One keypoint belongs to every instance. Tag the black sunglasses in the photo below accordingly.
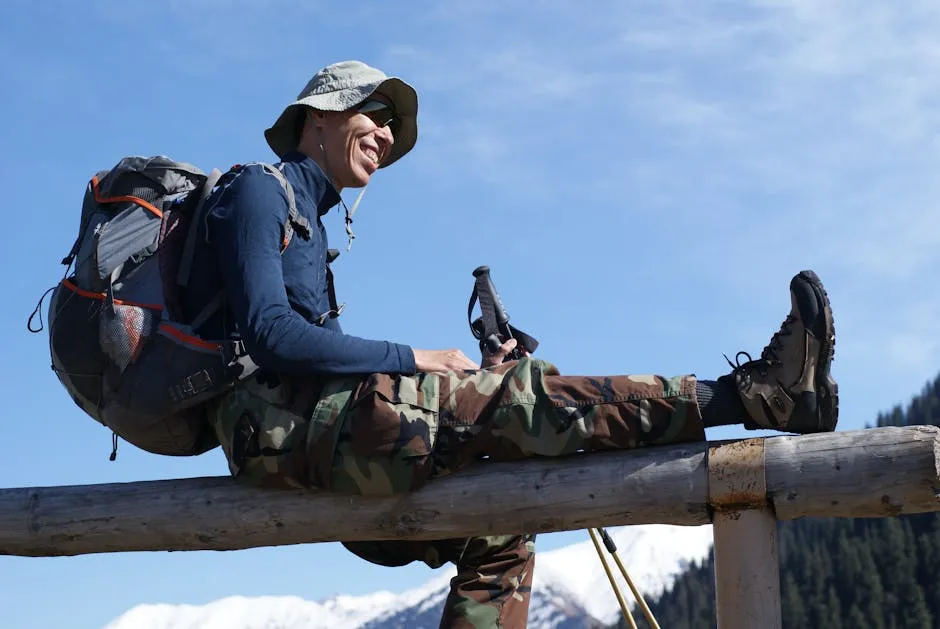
(382, 114)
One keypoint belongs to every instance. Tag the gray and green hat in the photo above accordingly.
(343, 85)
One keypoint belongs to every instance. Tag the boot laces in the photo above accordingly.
(769, 353)
(768, 356)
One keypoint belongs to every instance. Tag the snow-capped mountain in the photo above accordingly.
(570, 591)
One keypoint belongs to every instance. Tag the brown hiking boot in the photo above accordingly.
(789, 387)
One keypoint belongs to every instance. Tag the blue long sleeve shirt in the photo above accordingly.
(274, 299)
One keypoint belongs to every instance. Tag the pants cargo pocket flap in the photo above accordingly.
(395, 415)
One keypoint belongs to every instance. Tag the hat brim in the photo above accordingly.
(283, 135)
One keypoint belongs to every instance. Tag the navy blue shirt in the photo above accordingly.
(273, 299)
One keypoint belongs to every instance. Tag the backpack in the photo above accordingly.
(119, 342)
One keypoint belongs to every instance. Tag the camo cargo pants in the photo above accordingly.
(385, 434)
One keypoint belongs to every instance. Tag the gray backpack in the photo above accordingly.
(119, 341)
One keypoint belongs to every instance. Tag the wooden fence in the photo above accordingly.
(742, 487)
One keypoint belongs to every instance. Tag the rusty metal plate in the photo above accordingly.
(737, 475)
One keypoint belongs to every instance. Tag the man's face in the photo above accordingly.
(356, 142)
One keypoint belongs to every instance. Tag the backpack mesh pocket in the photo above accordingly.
(124, 331)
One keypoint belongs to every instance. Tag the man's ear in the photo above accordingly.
(314, 118)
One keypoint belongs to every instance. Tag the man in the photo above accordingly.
(348, 414)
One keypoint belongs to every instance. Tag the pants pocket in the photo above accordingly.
(263, 444)
(386, 438)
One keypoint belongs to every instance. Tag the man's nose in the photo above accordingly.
(386, 134)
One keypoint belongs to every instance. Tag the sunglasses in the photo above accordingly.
(382, 114)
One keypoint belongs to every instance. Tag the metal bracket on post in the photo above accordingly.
(747, 571)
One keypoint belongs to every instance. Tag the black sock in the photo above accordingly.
(719, 402)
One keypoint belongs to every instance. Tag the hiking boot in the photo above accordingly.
(789, 387)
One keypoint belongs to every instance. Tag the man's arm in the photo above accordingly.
(245, 230)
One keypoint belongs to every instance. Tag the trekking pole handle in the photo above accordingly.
(496, 330)
(485, 283)
(492, 328)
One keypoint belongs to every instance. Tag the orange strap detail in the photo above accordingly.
(186, 338)
(127, 198)
(81, 291)
(102, 296)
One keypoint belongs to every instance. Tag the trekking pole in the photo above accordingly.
(612, 549)
(492, 329)
(627, 616)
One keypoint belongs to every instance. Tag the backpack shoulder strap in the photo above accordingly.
(336, 309)
(295, 221)
(189, 248)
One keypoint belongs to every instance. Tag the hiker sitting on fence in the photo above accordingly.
(344, 413)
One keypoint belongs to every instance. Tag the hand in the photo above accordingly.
(500, 355)
(438, 360)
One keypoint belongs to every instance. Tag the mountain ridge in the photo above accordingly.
(570, 591)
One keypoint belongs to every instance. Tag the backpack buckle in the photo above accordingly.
(191, 385)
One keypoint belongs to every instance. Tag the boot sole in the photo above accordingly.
(827, 389)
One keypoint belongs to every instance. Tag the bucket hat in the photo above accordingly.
(339, 87)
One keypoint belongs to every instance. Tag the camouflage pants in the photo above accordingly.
(493, 580)
(385, 434)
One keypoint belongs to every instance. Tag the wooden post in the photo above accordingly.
(747, 572)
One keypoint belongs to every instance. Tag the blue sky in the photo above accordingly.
(643, 178)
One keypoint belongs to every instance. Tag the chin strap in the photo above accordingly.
(349, 216)
(349, 211)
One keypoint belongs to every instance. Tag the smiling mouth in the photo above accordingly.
(372, 154)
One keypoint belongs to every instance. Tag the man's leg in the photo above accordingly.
(493, 581)
(493, 584)
(395, 432)
(391, 433)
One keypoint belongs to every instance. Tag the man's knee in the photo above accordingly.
(466, 553)
(393, 553)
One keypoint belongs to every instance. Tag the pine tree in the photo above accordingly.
(793, 610)
(870, 592)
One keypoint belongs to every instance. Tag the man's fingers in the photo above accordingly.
(510, 345)
(507, 347)
(467, 363)
(442, 360)
(500, 354)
